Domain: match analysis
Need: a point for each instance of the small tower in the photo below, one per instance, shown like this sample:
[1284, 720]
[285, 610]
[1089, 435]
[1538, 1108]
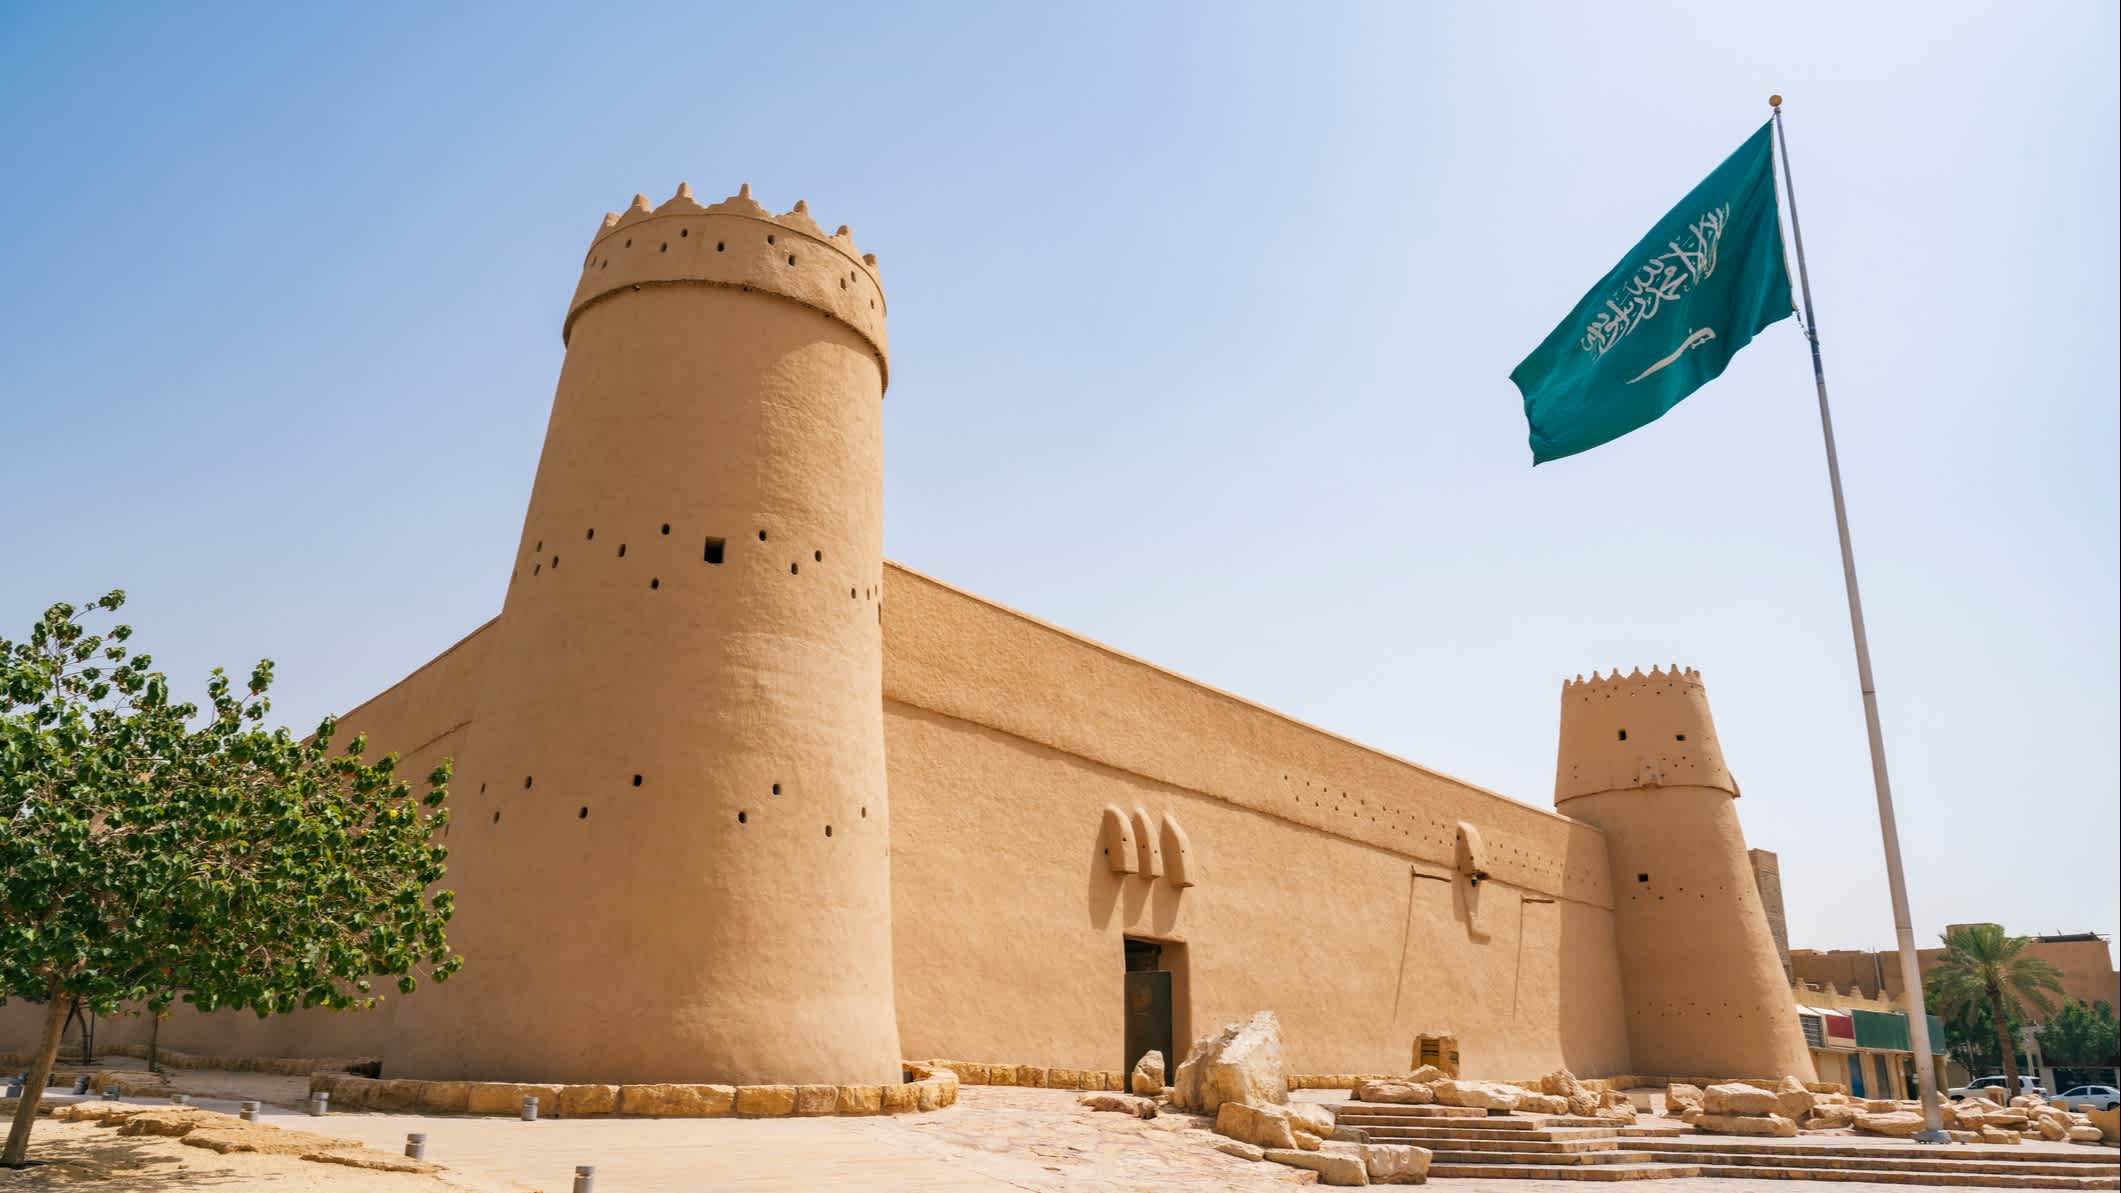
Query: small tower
[679, 737]
[1699, 970]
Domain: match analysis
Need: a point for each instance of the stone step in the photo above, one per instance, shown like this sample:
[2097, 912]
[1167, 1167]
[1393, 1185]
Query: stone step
[1424, 1110]
[1953, 1180]
[1918, 1162]
[1430, 1114]
[1405, 1132]
[1957, 1151]
[1458, 1156]
[1656, 1130]
[1566, 1172]
[1543, 1147]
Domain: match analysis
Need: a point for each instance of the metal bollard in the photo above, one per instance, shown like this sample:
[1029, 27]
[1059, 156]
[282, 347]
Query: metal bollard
[14, 1088]
[110, 1094]
[81, 1084]
[179, 1099]
[585, 1178]
[319, 1103]
[250, 1112]
[416, 1145]
[530, 1110]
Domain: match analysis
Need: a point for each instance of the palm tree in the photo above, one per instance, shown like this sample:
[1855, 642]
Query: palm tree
[1981, 967]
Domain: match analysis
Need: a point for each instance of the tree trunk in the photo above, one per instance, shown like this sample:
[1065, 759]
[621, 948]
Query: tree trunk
[2003, 1037]
[40, 1072]
[154, 1040]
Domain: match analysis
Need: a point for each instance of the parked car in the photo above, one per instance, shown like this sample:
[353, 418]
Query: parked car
[2026, 1085]
[2092, 1097]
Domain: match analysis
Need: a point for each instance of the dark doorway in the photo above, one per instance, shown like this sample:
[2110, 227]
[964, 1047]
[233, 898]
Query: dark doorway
[1148, 1006]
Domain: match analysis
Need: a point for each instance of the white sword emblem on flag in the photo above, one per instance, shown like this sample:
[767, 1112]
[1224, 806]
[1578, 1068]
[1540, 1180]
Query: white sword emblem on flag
[1694, 339]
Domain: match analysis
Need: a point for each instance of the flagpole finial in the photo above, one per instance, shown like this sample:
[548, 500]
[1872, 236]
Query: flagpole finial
[1774, 101]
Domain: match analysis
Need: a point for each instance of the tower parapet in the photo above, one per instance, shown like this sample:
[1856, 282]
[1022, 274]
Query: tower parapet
[1700, 972]
[740, 244]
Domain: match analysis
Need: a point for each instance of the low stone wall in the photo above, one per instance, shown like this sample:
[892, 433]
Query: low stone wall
[926, 1087]
[293, 1066]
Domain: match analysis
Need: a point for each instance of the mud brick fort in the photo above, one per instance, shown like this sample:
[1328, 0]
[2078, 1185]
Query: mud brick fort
[737, 800]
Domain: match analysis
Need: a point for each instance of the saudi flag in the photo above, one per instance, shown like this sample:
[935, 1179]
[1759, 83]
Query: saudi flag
[1669, 317]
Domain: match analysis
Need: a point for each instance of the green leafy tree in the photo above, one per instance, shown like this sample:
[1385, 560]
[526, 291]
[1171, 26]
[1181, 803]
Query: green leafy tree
[1982, 967]
[2081, 1036]
[153, 851]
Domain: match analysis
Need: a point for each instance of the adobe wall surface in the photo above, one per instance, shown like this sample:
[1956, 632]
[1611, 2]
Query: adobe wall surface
[1007, 738]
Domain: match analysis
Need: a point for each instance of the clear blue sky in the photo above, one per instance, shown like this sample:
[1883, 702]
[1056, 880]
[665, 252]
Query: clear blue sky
[1201, 320]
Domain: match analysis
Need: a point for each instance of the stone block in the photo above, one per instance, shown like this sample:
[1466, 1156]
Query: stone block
[973, 1074]
[398, 1095]
[1428, 1075]
[1001, 1074]
[1402, 1093]
[1123, 1103]
[1680, 1096]
[861, 1099]
[1395, 1163]
[812, 1101]
[1900, 1124]
[351, 1093]
[1031, 1076]
[1148, 1076]
[928, 1095]
[1312, 1117]
[1736, 1098]
[1333, 1168]
[769, 1101]
[1531, 1103]
[1064, 1078]
[502, 1097]
[1240, 1149]
[1307, 1142]
[2084, 1134]
[443, 1097]
[587, 1101]
[1489, 1095]
[1744, 1124]
[1242, 1063]
[1264, 1126]
[1998, 1135]
[899, 1099]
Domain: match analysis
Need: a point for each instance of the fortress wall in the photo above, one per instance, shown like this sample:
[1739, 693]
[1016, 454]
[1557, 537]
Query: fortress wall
[1006, 738]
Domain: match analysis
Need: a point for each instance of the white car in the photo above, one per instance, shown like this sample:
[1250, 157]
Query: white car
[2092, 1097]
[2026, 1085]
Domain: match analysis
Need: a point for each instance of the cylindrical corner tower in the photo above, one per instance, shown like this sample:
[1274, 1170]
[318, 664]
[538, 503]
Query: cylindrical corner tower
[1699, 970]
[671, 833]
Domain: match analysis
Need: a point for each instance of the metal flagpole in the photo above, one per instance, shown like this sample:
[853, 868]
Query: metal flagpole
[1918, 1028]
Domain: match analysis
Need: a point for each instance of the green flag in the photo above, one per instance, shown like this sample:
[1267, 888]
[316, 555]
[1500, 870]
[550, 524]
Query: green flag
[1669, 317]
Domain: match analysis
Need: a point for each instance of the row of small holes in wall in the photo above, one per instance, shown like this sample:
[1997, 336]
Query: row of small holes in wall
[741, 817]
[712, 550]
[723, 245]
[1675, 737]
[1445, 837]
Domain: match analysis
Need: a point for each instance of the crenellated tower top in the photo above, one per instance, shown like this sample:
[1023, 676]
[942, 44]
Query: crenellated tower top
[1637, 731]
[739, 244]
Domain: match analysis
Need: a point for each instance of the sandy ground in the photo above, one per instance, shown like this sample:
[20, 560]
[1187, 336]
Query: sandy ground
[994, 1140]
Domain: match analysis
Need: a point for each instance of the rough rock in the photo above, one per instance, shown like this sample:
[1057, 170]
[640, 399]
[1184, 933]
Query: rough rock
[1486, 1094]
[2051, 1130]
[1307, 1142]
[1899, 1123]
[1404, 1093]
[174, 1121]
[1124, 1104]
[1734, 1098]
[1531, 1103]
[1428, 1074]
[264, 1140]
[1395, 1163]
[2008, 1120]
[1744, 1124]
[1689, 1114]
[1265, 1126]
[1243, 1063]
[1312, 1117]
[1830, 1117]
[1241, 1149]
[1679, 1095]
[671, 1101]
[1333, 1168]
[1623, 1113]
[1792, 1100]
[2084, 1134]
[1148, 1077]
[1996, 1135]
[766, 1101]
[369, 1158]
[1882, 1106]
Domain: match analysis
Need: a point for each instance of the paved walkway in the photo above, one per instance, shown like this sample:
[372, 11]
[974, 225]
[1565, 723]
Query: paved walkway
[993, 1140]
